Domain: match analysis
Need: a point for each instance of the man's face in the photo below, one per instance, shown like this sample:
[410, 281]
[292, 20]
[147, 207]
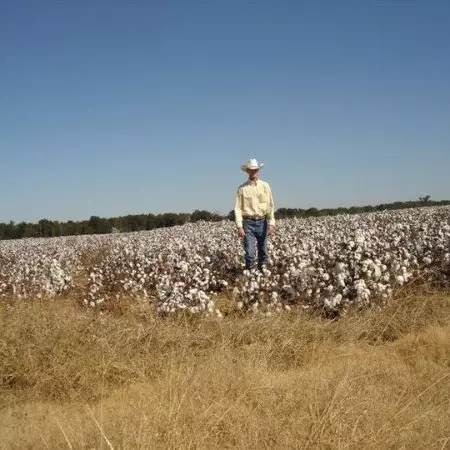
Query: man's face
[252, 173]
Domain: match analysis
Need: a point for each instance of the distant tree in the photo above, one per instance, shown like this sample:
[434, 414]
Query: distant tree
[424, 199]
[11, 231]
[312, 212]
[286, 212]
[205, 215]
[70, 228]
[171, 219]
[45, 227]
[99, 225]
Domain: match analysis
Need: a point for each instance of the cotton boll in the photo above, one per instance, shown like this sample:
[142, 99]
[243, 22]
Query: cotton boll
[337, 299]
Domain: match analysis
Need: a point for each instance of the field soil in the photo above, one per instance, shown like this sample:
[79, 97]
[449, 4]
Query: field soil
[374, 379]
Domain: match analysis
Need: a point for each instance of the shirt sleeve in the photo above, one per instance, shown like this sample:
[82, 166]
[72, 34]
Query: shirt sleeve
[271, 212]
[238, 210]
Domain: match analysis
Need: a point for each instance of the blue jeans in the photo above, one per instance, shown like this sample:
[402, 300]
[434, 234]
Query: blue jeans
[255, 236]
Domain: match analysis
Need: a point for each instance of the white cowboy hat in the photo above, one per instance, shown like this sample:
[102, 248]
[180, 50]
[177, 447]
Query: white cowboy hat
[252, 164]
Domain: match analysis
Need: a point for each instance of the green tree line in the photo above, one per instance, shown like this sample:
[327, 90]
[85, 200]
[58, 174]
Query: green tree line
[141, 222]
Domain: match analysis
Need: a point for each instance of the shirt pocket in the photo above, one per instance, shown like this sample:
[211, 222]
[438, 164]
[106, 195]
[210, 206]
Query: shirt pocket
[247, 194]
[245, 203]
[262, 198]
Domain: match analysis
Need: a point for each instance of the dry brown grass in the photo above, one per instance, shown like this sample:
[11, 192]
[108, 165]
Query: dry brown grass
[376, 379]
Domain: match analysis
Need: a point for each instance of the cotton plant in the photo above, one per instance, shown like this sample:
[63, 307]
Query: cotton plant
[326, 262]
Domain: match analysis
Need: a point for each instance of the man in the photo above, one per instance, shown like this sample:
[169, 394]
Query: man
[254, 214]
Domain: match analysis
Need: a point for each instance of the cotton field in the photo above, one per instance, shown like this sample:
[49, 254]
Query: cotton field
[327, 262]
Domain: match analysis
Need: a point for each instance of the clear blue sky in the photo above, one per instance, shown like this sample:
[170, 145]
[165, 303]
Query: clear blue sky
[112, 107]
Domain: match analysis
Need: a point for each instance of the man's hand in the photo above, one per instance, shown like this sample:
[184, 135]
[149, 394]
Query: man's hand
[271, 229]
[241, 232]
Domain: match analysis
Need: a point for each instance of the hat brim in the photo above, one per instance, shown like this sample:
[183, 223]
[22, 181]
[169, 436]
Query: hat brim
[244, 167]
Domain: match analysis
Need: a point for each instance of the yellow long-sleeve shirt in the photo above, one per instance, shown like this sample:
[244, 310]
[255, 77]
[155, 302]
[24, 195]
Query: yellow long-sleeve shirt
[254, 200]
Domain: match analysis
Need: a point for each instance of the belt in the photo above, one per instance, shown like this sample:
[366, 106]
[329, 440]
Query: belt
[254, 218]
